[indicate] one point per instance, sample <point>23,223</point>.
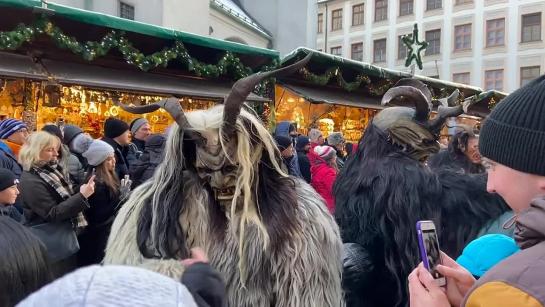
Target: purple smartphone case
<point>423,253</point>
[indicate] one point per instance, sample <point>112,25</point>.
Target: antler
<point>171,105</point>
<point>243,87</point>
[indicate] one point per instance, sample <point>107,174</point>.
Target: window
<point>401,48</point>
<point>458,2</point>
<point>320,23</point>
<point>381,10</point>
<point>493,79</point>
<point>495,32</point>
<point>531,27</point>
<point>337,20</point>
<point>379,50</point>
<point>126,11</point>
<point>405,7</point>
<point>357,15</point>
<point>528,74</point>
<point>462,37</point>
<point>357,52</point>
<point>337,51</point>
<point>462,78</point>
<point>433,38</point>
<point>433,4</point>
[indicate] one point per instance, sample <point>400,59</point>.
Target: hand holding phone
<point>429,249</point>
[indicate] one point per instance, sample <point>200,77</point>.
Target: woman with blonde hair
<point>51,205</point>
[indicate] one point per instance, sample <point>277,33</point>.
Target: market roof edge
<point>118,23</point>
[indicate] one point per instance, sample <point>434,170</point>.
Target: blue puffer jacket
<point>283,128</point>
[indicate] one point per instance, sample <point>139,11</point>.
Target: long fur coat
<point>303,271</point>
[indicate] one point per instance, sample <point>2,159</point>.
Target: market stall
<point>337,94</point>
<point>63,65</point>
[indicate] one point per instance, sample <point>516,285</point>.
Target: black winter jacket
<point>121,162</point>
<point>144,167</point>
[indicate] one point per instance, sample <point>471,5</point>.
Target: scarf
<point>52,174</point>
<point>15,148</point>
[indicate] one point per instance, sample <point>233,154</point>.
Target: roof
<point>233,10</point>
<point>113,22</point>
<point>331,72</point>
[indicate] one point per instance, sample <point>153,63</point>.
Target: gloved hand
<point>125,187</point>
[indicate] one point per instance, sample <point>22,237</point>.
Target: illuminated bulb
<point>92,108</point>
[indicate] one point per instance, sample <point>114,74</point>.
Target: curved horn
<point>443,113</point>
<point>171,105</point>
<point>451,100</point>
<point>416,83</point>
<point>243,87</point>
<point>414,95</point>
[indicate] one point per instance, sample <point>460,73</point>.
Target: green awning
<point>127,25</point>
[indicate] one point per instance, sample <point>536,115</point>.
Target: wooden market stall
<point>62,65</point>
<point>336,94</point>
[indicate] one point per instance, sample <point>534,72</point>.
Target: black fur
<point>381,193</point>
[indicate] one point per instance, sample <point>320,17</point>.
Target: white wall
<point>225,27</point>
<point>187,15</point>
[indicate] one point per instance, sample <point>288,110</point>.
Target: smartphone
<point>429,249</point>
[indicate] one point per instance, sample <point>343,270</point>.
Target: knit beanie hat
<point>114,127</point>
<point>483,253</point>
<point>80,143</point>
<point>514,132</point>
<point>7,179</point>
<point>53,129</point>
<point>302,141</point>
<point>335,138</point>
<point>314,135</point>
<point>325,152</point>
<point>98,152</point>
<point>283,142</point>
<point>10,126</point>
<point>136,124</point>
<point>70,132</point>
<point>112,285</point>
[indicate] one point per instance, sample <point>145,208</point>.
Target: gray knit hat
<point>335,138</point>
<point>314,135</point>
<point>136,124</point>
<point>98,152</point>
<point>80,143</point>
<point>514,132</point>
<point>112,285</point>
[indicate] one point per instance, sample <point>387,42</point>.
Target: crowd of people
<point>61,190</point>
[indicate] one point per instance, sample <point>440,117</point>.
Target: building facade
<point>493,44</point>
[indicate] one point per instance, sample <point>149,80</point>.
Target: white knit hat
<point>80,143</point>
<point>111,285</point>
<point>325,152</point>
<point>98,152</point>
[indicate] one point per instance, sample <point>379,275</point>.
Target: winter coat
<point>144,168</point>
<point>520,279</point>
<point>9,161</point>
<point>121,163</point>
<point>12,212</point>
<point>136,148</point>
<point>304,165</point>
<point>323,178</point>
<point>77,165</point>
<point>283,128</point>
<point>41,203</point>
<point>100,215</point>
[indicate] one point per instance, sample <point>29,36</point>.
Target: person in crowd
<point>303,148</point>
<point>103,204</point>
<point>116,285</point>
<point>140,132</point>
<point>8,194</point>
<point>512,143</point>
<point>324,172</point>
<point>287,129</point>
<point>462,154</point>
<point>316,138</point>
<point>144,168</point>
<point>13,134</point>
<point>349,148</point>
<point>77,142</point>
<point>483,253</point>
<point>336,140</point>
<point>116,133</point>
<point>64,152</point>
<point>285,145</point>
<point>25,266</point>
<point>47,196</point>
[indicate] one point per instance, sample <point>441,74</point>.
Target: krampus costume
<point>384,189</point>
<point>221,188</point>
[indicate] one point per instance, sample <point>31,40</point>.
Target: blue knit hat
<point>10,126</point>
<point>483,253</point>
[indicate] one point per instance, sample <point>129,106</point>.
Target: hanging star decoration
<point>414,48</point>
